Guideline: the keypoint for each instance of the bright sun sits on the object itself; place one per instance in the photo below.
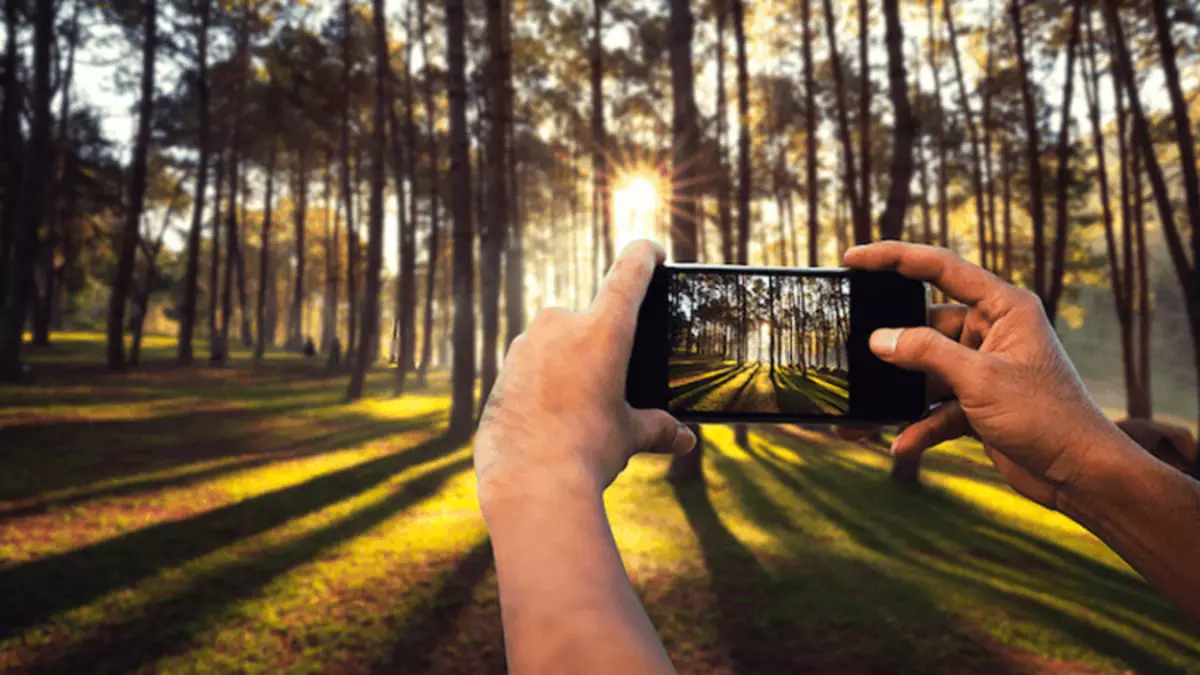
(635, 207)
(639, 194)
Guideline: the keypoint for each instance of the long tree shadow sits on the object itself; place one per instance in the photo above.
(732, 405)
(265, 449)
(171, 625)
(935, 533)
(811, 618)
(422, 632)
(686, 395)
(37, 590)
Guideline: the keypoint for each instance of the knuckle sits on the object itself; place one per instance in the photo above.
(1027, 299)
(549, 317)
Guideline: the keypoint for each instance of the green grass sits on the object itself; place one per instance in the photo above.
(248, 520)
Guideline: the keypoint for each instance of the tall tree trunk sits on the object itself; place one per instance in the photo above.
(348, 183)
(231, 249)
(402, 169)
(264, 254)
(295, 340)
(57, 216)
(1058, 270)
(370, 315)
(1141, 404)
(864, 115)
(187, 319)
(862, 230)
(901, 168)
(435, 250)
(685, 132)
(243, 308)
(214, 268)
(495, 227)
(811, 208)
(137, 189)
(1032, 154)
(601, 206)
(1006, 198)
(724, 188)
(743, 93)
(972, 133)
(989, 173)
(34, 176)
(14, 156)
(935, 65)
(514, 240)
(462, 405)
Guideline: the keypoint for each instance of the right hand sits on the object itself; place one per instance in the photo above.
(997, 358)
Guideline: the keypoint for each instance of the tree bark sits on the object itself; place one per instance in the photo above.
(1061, 229)
(601, 208)
(462, 405)
(435, 250)
(370, 314)
(514, 239)
(940, 133)
(901, 168)
(295, 340)
(743, 94)
(187, 319)
(137, 190)
(811, 208)
(214, 271)
(264, 255)
(495, 228)
(402, 169)
(1032, 154)
(862, 231)
(724, 188)
(10, 134)
(864, 115)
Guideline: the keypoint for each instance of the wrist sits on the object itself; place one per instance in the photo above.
(1109, 470)
(508, 492)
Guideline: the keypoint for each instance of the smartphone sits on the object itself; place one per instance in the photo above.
(754, 344)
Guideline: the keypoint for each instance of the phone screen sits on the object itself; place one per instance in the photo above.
(742, 342)
(728, 344)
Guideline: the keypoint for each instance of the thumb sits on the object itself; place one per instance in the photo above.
(927, 350)
(658, 431)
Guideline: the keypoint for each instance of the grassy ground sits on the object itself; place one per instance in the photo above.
(712, 385)
(247, 520)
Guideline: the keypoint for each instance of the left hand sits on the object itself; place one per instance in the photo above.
(557, 420)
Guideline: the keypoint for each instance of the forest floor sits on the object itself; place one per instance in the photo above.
(250, 520)
(712, 385)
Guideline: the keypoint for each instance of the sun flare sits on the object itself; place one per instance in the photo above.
(635, 207)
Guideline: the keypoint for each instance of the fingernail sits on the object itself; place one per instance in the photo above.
(883, 341)
(850, 250)
(685, 440)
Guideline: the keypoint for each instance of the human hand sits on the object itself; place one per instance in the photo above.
(1012, 384)
(557, 419)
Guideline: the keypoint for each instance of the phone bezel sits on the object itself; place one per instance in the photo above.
(880, 393)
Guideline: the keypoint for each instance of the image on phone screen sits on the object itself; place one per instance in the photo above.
(722, 343)
(759, 344)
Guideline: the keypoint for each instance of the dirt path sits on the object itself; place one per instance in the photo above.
(757, 395)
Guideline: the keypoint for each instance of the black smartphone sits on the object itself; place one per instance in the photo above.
(753, 344)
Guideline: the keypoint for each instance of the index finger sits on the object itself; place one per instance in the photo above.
(961, 280)
(620, 296)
